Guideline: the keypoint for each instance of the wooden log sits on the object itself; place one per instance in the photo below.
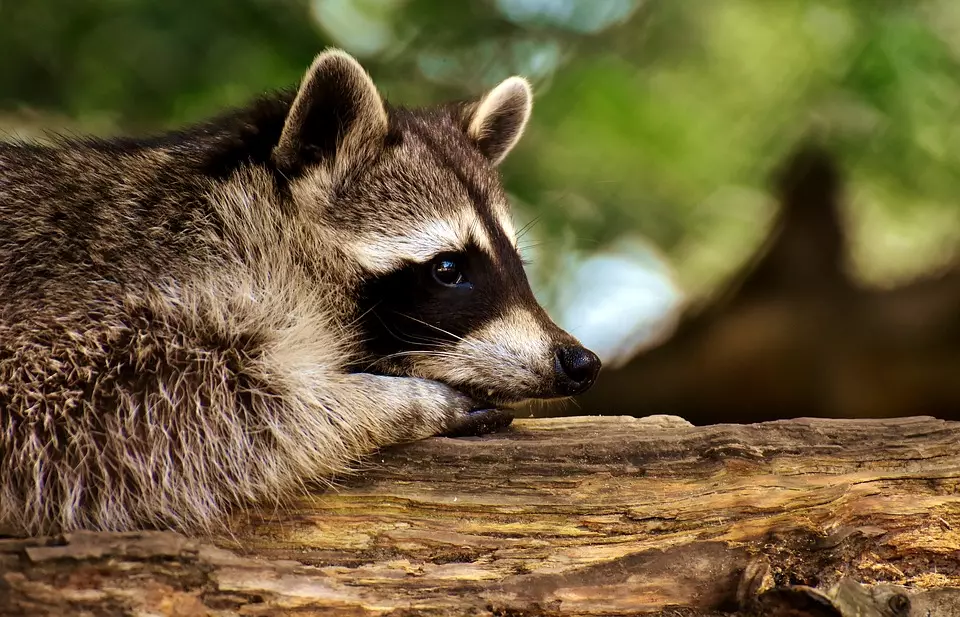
(565, 516)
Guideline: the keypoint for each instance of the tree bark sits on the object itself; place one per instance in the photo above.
(565, 516)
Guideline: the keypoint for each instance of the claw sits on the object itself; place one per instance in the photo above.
(480, 422)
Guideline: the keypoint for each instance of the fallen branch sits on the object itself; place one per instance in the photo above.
(567, 516)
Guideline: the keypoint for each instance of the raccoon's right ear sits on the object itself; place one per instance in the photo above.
(337, 114)
(496, 122)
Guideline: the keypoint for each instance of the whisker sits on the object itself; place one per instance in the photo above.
(413, 339)
(397, 336)
(526, 228)
(356, 319)
(430, 354)
(436, 354)
(430, 325)
(533, 245)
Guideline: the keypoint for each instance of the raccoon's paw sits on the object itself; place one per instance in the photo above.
(421, 408)
(479, 422)
(456, 414)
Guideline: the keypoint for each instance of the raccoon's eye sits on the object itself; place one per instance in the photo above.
(446, 270)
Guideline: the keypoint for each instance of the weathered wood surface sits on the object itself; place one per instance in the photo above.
(569, 516)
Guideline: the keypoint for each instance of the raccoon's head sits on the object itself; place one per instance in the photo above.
(414, 201)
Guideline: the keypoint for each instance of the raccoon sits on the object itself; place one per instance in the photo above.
(216, 316)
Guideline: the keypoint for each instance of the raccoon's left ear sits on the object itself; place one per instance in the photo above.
(496, 122)
(337, 114)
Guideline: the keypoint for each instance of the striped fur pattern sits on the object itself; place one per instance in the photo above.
(217, 316)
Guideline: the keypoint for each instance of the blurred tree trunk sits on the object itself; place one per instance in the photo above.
(611, 516)
(792, 335)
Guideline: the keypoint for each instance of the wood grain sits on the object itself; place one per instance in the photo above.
(565, 516)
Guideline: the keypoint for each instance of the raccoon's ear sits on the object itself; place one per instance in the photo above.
(337, 113)
(496, 122)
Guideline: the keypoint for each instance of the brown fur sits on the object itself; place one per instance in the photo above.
(182, 326)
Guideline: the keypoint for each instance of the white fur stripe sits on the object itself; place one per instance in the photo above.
(505, 221)
(512, 353)
(517, 339)
(383, 253)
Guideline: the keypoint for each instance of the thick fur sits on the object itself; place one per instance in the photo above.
(218, 315)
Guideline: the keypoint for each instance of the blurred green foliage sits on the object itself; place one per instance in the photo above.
(658, 118)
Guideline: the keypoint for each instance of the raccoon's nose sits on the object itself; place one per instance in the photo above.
(576, 369)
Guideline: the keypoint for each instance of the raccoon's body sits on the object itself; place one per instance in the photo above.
(216, 316)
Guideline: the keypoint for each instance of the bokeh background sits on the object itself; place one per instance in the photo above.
(645, 173)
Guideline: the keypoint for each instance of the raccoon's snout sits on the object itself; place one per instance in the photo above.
(576, 369)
